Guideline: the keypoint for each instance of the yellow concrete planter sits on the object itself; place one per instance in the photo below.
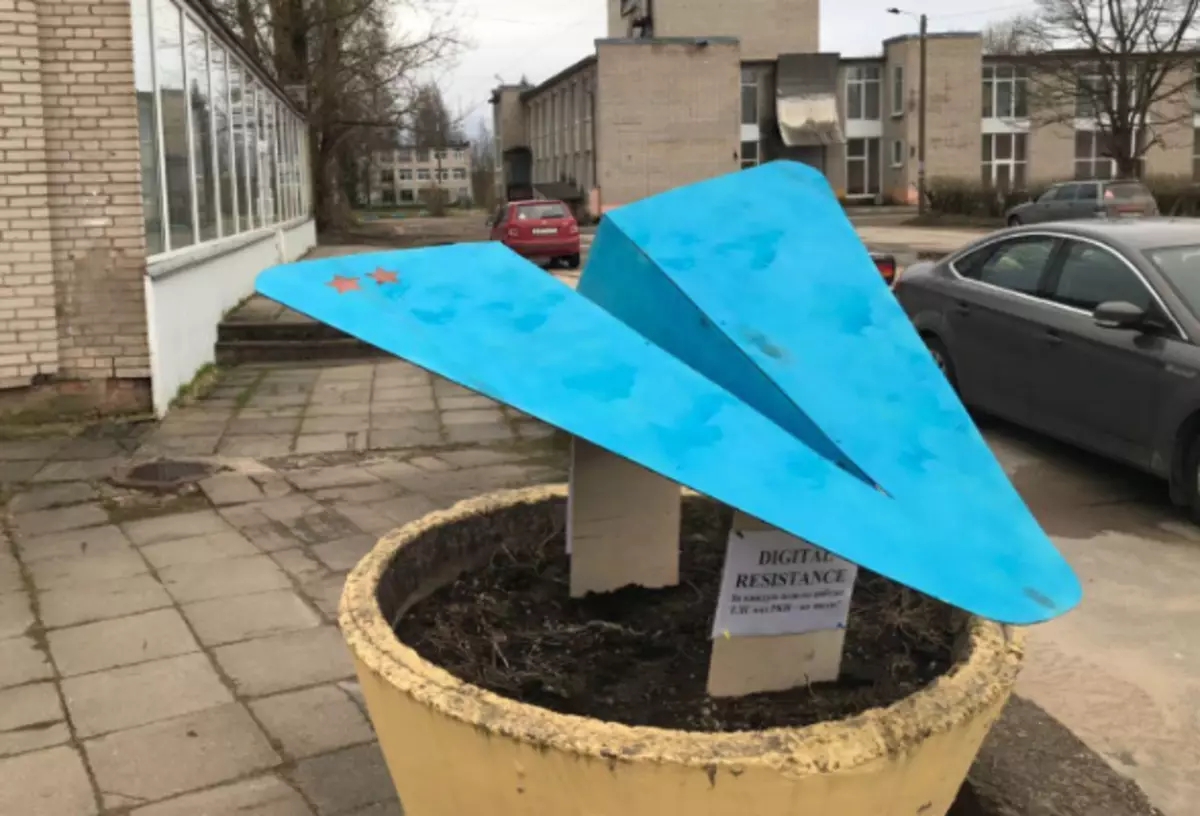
(456, 750)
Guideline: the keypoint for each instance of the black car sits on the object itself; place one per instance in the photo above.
(1085, 331)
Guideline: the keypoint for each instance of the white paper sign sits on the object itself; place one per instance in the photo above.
(776, 584)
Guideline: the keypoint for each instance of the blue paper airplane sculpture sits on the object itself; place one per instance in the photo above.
(734, 336)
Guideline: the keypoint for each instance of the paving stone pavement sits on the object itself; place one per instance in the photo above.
(177, 654)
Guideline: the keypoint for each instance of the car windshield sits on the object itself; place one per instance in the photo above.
(531, 211)
(1181, 266)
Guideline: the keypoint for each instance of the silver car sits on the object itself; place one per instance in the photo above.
(1077, 200)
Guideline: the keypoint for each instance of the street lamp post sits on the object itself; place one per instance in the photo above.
(922, 106)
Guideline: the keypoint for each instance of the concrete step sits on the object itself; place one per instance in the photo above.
(231, 353)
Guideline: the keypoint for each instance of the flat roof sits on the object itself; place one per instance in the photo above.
(529, 93)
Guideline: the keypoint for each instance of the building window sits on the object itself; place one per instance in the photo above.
(406, 174)
(1089, 96)
(862, 92)
(749, 97)
(1091, 161)
(898, 90)
(460, 173)
(897, 153)
(422, 156)
(404, 156)
(168, 23)
(862, 167)
(1005, 160)
(221, 153)
(1005, 92)
(226, 184)
(423, 174)
(407, 196)
(1196, 154)
(749, 154)
(388, 195)
(387, 177)
(200, 116)
(443, 174)
(143, 79)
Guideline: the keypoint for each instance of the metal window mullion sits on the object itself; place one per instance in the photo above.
(164, 216)
(234, 198)
(250, 223)
(276, 136)
(187, 118)
(212, 135)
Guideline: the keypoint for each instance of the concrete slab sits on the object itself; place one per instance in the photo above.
(228, 620)
(120, 642)
(31, 717)
(174, 527)
(101, 600)
(184, 754)
(80, 570)
(261, 796)
(231, 488)
(43, 498)
(324, 477)
(135, 695)
(16, 614)
(93, 541)
(188, 583)
(43, 522)
(199, 550)
(21, 661)
(345, 553)
(346, 780)
(46, 783)
(287, 661)
(313, 721)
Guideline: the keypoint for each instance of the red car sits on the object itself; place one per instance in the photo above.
(538, 230)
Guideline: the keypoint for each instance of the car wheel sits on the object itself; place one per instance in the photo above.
(572, 261)
(1014, 221)
(1192, 477)
(941, 357)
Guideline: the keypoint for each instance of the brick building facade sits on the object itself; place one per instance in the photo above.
(82, 310)
(856, 119)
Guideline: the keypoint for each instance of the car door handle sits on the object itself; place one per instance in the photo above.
(962, 308)
(1053, 337)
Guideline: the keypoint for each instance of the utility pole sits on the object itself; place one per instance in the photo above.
(923, 105)
(921, 116)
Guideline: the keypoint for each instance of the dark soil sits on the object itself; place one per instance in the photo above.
(640, 656)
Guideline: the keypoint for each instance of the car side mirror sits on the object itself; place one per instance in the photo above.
(1118, 314)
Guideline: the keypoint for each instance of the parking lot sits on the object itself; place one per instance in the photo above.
(1123, 670)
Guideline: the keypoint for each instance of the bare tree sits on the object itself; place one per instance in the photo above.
(483, 168)
(359, 63)
(1009, 37)
(1129, 65)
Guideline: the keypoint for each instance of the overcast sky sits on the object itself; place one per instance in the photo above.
(538, 38)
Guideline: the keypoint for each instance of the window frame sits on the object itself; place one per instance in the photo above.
(859, 76)
(865, 158)
(1016, 77)
(896, 155)
(897, 88)
(1059, 265)
(280, 153)
(749, 82)
(1017, 158)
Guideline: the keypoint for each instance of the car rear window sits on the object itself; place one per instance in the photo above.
(1127, 191)
(529, 212)
(1180, 265)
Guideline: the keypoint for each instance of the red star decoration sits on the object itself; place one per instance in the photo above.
(343, 284)
(382, 276)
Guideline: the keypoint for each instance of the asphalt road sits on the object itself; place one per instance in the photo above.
(1123, 669)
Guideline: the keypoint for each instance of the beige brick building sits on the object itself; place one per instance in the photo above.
(120, 184)
(403, 175)
(681, 89)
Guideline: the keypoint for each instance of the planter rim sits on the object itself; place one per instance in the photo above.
(985, 672)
